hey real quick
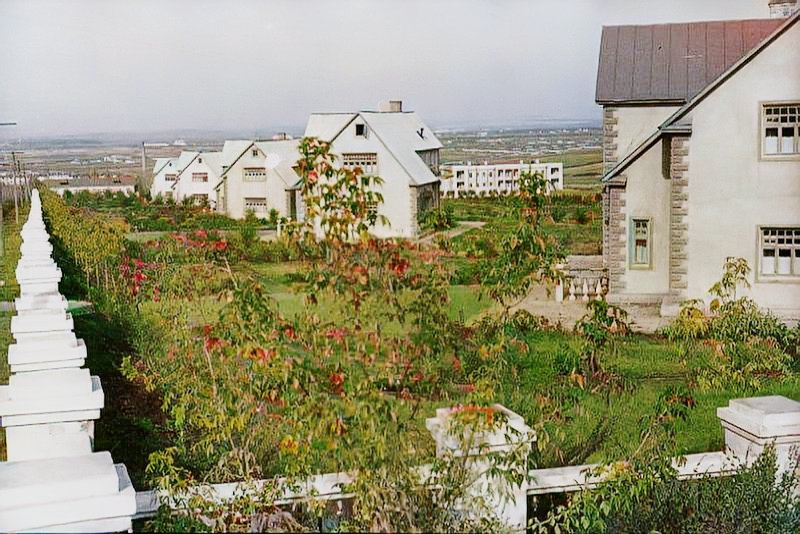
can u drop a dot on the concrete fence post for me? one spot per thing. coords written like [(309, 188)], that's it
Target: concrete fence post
[(753, 423), (512, 435)]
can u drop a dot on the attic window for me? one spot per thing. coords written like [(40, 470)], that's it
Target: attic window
[(199, 160), (254, 152), (361, 130)]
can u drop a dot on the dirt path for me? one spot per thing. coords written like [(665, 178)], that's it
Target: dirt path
[(463, 227)]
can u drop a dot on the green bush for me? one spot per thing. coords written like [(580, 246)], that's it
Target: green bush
[(566, 360), (581, 215), (558, 213)]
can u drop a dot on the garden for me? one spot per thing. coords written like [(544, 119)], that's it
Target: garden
[(227, 358)]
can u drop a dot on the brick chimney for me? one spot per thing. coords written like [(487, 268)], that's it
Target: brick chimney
[(779, 9), (392, 106)]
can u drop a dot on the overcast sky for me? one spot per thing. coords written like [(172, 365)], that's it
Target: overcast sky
[(81, 66)]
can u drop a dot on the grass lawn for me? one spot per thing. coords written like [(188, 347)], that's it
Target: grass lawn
[(606, 425), (576, 237)]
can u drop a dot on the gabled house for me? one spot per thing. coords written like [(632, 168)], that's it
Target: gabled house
[(395, 145), (702, 158), (258, 176), (165, 173), (198, 172)]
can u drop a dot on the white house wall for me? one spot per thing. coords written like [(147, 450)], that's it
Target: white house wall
[(161, 186), (237, 190), (187, 188), (731, 189), (647, 196), (396, 206), (637, 123)]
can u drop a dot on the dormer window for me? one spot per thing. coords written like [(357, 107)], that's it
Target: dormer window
[(361, 130)]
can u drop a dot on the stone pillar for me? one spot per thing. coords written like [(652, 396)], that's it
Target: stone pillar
[(506, 437), (615, 237), (752, 423), (610, 135), (678, 214)]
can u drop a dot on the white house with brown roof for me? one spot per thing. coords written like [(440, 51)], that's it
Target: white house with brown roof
[(258, 176), (702, 158), (198, 173), (394, 145)]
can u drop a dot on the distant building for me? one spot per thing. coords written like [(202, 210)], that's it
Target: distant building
[(258, 176), (165, 174), (198, 173), (392, 144), (497, 178), (701, 157), (122, 184)]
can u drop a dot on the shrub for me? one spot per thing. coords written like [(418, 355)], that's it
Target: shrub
[(558, 213), (566, 360), (438, 219), (581, 215)]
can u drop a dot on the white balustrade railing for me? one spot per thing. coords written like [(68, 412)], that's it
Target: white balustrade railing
[(52, 480)]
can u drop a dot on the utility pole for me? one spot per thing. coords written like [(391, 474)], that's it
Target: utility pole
[(144, 181), (2, 199)]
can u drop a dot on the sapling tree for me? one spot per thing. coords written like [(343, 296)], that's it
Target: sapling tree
[(527, 256)]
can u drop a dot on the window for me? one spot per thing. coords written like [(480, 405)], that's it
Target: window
[(361, 130), (780, 252), (199, 199), (368, 163), (781, 126), (199, 160), (640, 243), (170, 177), (257, 205), (200, 177), (372, 209), (255, 174), (254, 152)]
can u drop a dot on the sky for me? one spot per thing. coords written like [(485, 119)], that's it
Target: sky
[(88, 66)]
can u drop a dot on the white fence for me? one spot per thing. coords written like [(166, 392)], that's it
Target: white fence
[(52, 481)]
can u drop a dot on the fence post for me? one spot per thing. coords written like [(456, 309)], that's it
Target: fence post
[(752, 423), (512, 435)]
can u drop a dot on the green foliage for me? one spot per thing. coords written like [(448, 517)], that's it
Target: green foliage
[(598, 328), (438, 219), (558, 213), (581, 215), (755, 498), (527, 256)]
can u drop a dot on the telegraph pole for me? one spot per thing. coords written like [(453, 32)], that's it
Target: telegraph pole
[(2, 199)]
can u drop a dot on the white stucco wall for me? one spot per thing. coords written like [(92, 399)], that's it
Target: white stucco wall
[(396, 192), (647, 195), (637, 123), (185, 187), (732, 190), (273, 189), (160, 186)]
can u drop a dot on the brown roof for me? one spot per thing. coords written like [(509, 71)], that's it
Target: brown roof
[(672, 62)]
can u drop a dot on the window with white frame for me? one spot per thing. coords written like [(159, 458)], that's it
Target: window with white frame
[(781, 129), (200, 177), (780, 251), (361, 130), (170, 177), (368, 162), (641, 243), (255, 174), (257, 205)]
